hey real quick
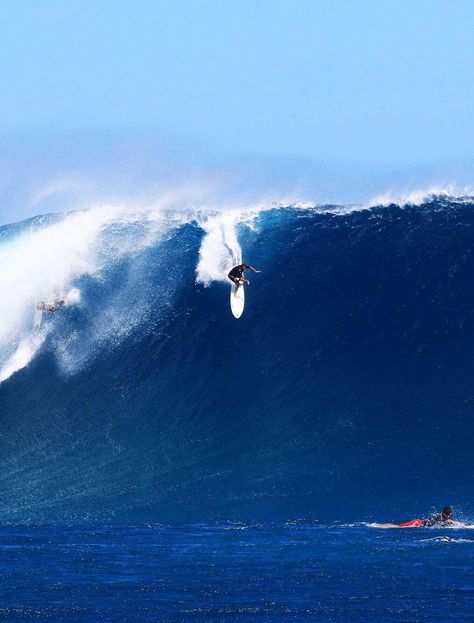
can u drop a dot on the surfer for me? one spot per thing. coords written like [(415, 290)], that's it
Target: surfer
[(237, 274), (437, 520), (54, 307)]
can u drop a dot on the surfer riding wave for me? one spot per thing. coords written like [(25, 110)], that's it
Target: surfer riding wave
[(236, 275)]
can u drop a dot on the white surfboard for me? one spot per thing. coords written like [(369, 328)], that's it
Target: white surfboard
[(237, 300)]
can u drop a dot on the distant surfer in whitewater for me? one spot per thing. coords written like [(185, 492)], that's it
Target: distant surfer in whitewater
[(55, 306), (237, 274), (437, 520), (51, 308), (58, 302)]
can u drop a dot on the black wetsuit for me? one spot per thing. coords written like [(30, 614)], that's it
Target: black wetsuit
[(238, 271)]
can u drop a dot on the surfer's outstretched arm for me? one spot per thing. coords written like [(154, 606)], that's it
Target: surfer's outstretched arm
[(254, 269), (453, 522)]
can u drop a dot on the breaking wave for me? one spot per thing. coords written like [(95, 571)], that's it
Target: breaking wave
[(344, 391)]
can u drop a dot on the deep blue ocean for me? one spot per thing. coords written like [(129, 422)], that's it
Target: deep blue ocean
[(235, 572), (163, 461)]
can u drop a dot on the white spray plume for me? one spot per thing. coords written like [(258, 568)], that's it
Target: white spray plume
[(43, 262), (419, 196), (220, 249)]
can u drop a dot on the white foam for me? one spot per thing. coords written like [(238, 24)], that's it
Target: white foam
[(220, 249), (26, 350), (55, 256), (36, 263), (73, 297), (419, 196), (44, 260)]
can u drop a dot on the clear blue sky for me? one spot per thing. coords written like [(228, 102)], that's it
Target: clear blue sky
[(375, 82)]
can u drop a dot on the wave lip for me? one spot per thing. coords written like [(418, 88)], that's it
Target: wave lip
[(51, 255), (45, 254), (448, 194)]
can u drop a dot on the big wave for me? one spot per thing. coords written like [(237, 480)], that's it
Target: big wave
[(344, 391)]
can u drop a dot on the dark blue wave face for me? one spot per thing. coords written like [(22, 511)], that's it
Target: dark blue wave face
[(344, 392)]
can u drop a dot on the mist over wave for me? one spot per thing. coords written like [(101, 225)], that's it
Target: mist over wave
[(42, 173), (41, 260), (344, 391)]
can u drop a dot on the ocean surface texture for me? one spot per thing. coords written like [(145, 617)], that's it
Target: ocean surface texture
[(236, 572)]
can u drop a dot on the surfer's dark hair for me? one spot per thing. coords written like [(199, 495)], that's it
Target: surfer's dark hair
[(447, 511)]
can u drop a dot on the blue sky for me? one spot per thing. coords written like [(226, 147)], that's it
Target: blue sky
[(377, 83), (232, 102)]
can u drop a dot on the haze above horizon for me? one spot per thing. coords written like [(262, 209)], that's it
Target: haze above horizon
[(370, 83)]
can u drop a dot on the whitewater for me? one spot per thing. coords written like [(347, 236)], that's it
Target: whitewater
[(48, 255)]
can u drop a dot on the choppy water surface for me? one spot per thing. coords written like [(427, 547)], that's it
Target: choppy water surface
[(235, 572)]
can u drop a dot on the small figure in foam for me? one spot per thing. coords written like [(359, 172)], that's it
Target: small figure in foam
[(50, 308), (54, 306)]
